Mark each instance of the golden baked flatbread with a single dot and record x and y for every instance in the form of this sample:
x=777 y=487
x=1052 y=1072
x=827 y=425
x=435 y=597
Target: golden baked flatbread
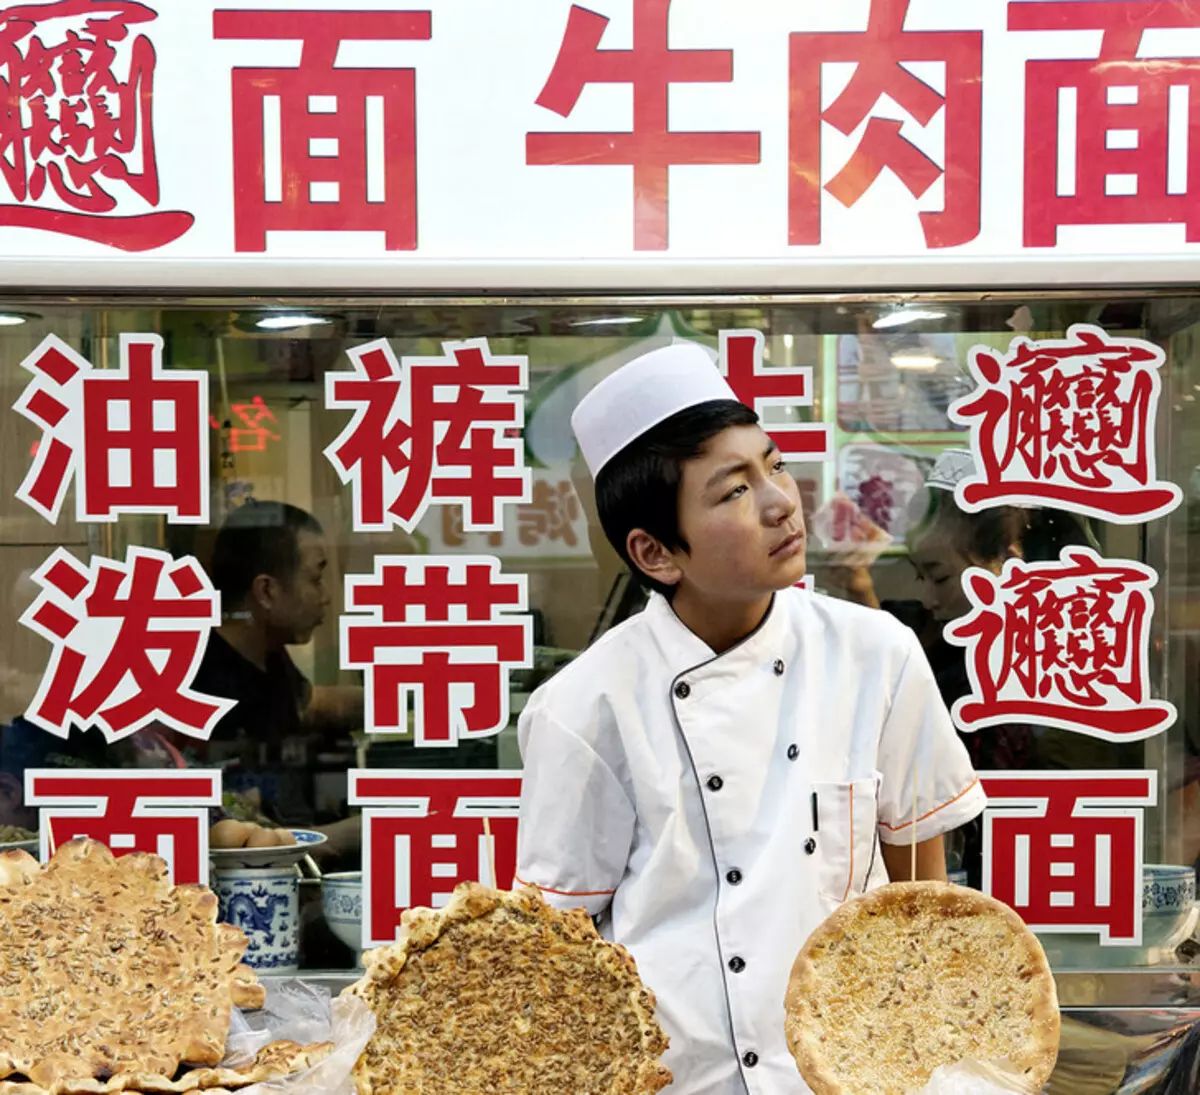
x=913 y=976
x=500 y=992
x=105 y=968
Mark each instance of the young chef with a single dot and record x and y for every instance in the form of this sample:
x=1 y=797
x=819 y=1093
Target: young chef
x=716 y=775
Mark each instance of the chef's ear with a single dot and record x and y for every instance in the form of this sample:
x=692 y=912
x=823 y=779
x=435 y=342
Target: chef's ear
x=652 y=558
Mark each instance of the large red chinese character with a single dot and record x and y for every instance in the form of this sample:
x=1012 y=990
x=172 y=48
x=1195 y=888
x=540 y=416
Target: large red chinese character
x=1115 y=140
x=1063 y=644
x=424 y=833
x=77 y=140
x=1064 y=849
x=444 y=629
x=161 y=811
x=128 y=639
x=882 y=56
x=1069 y=423
x=761 y=388
x=430 y=430
x=132 y=438
x=344 y=155
x=651 y=147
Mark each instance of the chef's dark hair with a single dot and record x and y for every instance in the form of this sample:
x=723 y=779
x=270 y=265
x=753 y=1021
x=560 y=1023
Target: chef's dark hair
x=258 y=538
x=639 y=487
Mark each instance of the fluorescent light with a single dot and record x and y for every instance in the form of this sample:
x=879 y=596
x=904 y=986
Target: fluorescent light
x=287 y=323
x=900 y=318
x=10 y=319
x=916 y=361
x=789 y=341
x=608 y=321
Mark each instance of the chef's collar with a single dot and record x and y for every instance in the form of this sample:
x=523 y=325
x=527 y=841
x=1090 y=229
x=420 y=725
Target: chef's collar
x=684 y=650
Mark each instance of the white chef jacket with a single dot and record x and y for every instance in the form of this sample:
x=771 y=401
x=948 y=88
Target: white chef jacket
x=670 y=792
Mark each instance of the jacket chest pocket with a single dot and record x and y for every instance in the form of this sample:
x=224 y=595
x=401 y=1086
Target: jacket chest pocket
x=846 y=837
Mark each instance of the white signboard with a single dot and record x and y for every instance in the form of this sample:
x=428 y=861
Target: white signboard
x=467 y=142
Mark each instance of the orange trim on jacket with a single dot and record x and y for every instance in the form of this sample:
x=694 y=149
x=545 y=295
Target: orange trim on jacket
x=937 y=809
x=565 y=893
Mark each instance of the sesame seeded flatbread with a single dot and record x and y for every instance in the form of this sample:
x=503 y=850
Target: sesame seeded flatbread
x=913 y=976
x=106 y=969
x=500 y=992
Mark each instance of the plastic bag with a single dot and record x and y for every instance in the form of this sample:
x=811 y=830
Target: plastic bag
x=975 y=1078
x=303 y=1013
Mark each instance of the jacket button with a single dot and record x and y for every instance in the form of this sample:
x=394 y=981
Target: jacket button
x=737 y=964
x=779 y=667
x=810 y=846
x=733 y=877
x=750 y=1059
x=793 y=752
x=715 y=783
x=683 y=690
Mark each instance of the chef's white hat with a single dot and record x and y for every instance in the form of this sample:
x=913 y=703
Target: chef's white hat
x=643 y=393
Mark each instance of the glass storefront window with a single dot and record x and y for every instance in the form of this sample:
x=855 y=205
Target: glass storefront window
x=886 y=374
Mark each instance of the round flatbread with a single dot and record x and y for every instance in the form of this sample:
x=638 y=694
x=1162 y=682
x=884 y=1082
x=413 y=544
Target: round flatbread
x=500 y=992
x=107 y=970
x=913 y=976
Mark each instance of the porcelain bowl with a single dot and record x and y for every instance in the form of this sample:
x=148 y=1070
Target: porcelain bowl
x=341 y=902
x=1168 y=911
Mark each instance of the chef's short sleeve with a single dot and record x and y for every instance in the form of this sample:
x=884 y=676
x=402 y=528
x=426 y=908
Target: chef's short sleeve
x=923 y=764
x=576 y=825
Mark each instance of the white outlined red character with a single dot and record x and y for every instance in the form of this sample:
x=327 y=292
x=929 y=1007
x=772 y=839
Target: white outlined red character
x=761 y=388
x=424 y=833
x=885 y=56
x=1063 y=644
x=344 y=157
x=1111 y=139
x=127 y=641
x=77 y=136
x=441 y=632
x=431 y=430
x=132 y=439
x=1068 y=423
x=651 y=147
x=1064 y=849
x=160 y=811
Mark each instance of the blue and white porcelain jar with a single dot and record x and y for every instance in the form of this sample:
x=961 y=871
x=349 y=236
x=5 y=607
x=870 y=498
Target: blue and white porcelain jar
x=342 y=904
x=265 y=903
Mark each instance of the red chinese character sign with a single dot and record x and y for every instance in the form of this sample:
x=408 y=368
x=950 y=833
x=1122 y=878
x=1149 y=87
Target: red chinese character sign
x=1061 y=644
x=444 y=631
x=161 y=812
x=77 y=153
x=442 y=430
x=430 y=430
x=884 y=58
x=127 y=640
x=763 y=388
x=1064 y=849
x=1068 y=423
x=342 y=156
x=1122 y=145
x=650 y=147
x=132 y=439
x=424 y=833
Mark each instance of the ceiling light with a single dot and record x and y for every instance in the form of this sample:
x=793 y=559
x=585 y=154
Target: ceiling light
x=11 y=319
x=287 y=323
x=916 y=361
x=900 y=318
x=608 y=321
x=789 y=341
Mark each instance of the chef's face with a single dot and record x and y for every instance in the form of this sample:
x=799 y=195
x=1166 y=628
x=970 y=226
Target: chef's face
x=739 y=514
x=940 y=558
x=295 y=608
